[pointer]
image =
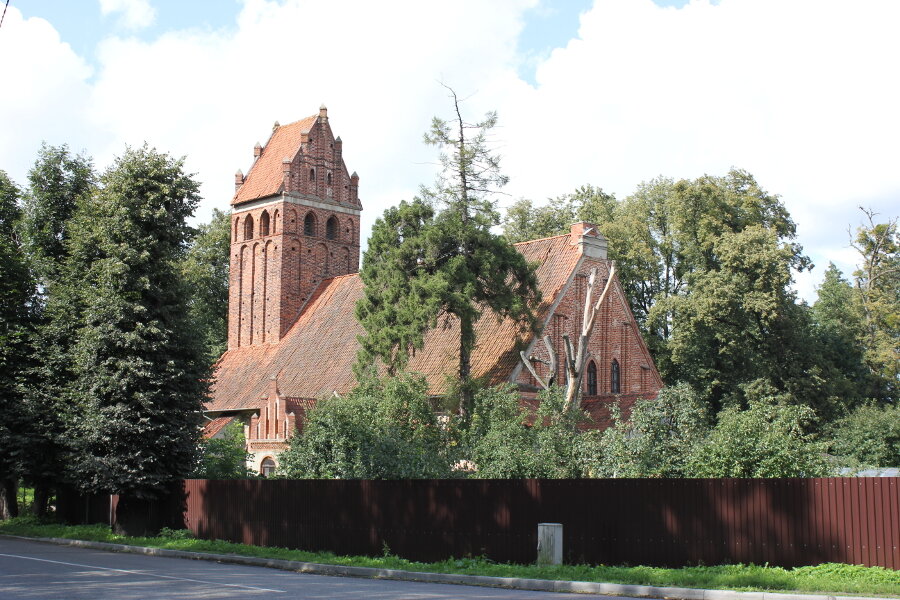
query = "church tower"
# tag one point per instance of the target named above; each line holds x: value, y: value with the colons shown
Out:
x: 295, y: 221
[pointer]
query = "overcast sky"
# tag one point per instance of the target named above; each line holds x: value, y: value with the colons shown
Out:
x: 802, y: 94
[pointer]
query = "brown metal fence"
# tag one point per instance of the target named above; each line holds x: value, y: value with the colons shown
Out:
x: 673, y: 522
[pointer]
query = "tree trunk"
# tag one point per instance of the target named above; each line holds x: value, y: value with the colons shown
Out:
x: 41, y: 504
x: 9, y: 505
x: 466, y: 393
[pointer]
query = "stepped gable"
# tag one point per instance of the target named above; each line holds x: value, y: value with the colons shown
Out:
x: 266, y: 176
x: 315, y: 357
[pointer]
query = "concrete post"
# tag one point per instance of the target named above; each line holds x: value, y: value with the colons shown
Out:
x: 550, y: 544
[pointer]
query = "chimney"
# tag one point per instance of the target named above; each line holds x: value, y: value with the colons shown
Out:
x: 590, y: 241
x: 323, y: 114
x: 238, y: 180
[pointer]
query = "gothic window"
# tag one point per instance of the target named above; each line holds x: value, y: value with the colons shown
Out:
x: 328, y: 179
x: 275, y: 222
x: 236, y: 222
x: 331, y: 228
x: 267, y: 467
x: 592, y: 379
x: 309, y: 224
x: 312, y: 174
x: 614, y: 386
x: 264, y: 224
x: 248, y: 228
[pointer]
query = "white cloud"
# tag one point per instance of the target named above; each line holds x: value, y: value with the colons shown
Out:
x: 45, y: 94
x: 802, y: 94
x: 135, y: 14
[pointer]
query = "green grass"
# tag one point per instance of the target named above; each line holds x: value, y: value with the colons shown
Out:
x: 830, y: 578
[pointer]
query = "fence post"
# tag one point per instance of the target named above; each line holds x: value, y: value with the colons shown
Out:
x: 550, y: 544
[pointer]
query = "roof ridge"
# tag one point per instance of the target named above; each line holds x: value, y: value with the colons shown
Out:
x: 298, y: 121
x: 549, y: 237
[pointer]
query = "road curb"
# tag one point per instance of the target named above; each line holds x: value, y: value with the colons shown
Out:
x: 540, y: 585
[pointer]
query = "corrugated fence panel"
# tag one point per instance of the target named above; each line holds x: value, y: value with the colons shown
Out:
x: 786, y: 522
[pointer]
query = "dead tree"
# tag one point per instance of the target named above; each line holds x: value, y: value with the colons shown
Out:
x: 574, y: 360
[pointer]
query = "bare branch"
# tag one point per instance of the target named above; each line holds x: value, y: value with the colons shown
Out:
x: 553, y: 365
x: 532, y: 371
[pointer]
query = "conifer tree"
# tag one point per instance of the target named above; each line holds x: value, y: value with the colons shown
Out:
x: 140, y: 366
x: 454, y: 265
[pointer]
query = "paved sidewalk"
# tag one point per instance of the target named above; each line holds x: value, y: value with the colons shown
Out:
x: 543, y: 585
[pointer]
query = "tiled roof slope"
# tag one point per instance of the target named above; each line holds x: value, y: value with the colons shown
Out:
x: 214, y: 426
x: 316, y: 356
x: 265, y: 176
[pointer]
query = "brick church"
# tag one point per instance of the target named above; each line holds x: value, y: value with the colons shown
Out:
x: 294, y: 283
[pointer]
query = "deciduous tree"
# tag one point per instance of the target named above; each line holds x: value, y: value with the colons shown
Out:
x: 383, y: 429
x: 16, y: 298
x: 878, y: 282
x: 56, y: 183
x: 141, y: 371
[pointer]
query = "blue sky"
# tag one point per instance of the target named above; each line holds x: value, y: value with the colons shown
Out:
x: 604, y: 92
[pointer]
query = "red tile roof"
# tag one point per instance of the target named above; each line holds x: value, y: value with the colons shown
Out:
x: 214, y: 426
x: 316, y: 356
x: 266, y: 175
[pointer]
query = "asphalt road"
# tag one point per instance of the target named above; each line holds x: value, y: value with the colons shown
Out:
x: 32, y: 570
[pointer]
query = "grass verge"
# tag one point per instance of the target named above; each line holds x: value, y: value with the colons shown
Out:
x: 829, y: 578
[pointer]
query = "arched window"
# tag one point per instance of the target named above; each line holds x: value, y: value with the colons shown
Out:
x: 275, y: 216
x: 237, y: 220
x: 264, y: 223
x: 267, y: 467
x: 328, y: 179
x: 248, y: 228
x: 331, y: 228
x: 312, y: 174
x: 592, y: 379
x: 309, y: 224
x: 614, y: 386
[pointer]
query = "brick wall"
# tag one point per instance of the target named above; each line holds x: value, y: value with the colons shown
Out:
x: 615, y: 338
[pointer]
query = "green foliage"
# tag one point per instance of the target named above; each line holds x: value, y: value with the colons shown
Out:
x: 706, y: 267
x: 524, y: 221
x: 837, y: 330
x: 400, y: 303
x: 869, y: 436
x: 878, y: 284
x: 205, y: 269
x: 224, y: 457
x: 384, y: 429
x: 768, y: 439
x: 658, y: 438
x: 506, y: 441
x: 422, y: 264
x: 140, y: 370
x: 56, y: 182
x: 16, y: 298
